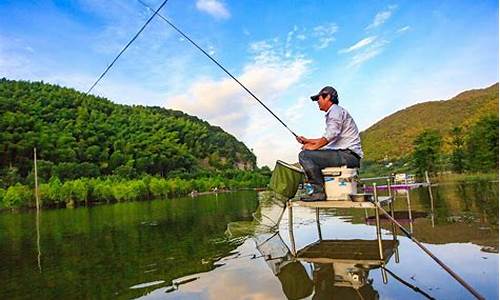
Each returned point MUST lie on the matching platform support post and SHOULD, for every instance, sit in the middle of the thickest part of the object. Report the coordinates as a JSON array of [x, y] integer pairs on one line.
[[379, 232], [318, 224], [408, 203], [393, 227]]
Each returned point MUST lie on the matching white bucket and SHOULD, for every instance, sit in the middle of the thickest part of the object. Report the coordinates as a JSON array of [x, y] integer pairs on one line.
[[340, 182]]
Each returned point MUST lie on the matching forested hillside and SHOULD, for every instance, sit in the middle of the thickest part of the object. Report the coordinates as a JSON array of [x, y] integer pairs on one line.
[[86, 136], [393, 136]]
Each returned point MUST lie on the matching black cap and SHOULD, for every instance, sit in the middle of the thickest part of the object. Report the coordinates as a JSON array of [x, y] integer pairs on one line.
[[326, 90]]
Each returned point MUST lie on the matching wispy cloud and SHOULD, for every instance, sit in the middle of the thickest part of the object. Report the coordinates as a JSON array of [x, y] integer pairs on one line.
[[381, 17], [403, 29], [215, 8], [296, 111], [325, 34], [367, 53], [360, 44]]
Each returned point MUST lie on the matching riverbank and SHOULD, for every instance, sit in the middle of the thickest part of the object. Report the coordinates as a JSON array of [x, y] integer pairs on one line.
[[455, 177], [87, 191]]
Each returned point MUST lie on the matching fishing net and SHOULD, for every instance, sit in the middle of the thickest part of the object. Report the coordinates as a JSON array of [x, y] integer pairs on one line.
[[284, 184], [264, 228]]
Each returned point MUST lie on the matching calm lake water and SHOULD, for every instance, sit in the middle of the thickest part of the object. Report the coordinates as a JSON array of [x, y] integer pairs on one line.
[[177, 249]]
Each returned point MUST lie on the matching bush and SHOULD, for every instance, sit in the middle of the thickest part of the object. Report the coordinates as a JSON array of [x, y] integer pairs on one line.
[[102, 190], [18, 195], [74, 191], [159, 187], [2, 194]]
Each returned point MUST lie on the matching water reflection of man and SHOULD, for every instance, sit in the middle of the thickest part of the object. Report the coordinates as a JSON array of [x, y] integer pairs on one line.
[[340, 144], [326, 286]]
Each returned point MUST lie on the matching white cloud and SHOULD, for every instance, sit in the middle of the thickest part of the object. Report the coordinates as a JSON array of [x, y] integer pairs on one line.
[[269, 75], [16, 58], [275, 145], [214, 8], [222, 102], [211, 50], [289, 40], [381, 17], [403, 29], [296, 111], [362, 43], [367, 53], [325, 34]]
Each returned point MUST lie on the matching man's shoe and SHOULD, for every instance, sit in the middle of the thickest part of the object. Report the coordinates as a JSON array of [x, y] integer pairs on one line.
[[314, 197]]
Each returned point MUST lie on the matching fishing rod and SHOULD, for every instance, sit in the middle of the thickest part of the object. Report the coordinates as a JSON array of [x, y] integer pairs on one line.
[[442, 264], [126, 46], [411, 286], [217, 63]]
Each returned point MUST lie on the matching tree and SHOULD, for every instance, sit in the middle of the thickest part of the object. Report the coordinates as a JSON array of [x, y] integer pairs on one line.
[[18, 195], [458, 151], [9, 176], [482, 145], [426, 151]]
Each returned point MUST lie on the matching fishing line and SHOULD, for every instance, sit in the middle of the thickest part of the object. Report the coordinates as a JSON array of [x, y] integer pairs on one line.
[[126, 46], [218, 64]]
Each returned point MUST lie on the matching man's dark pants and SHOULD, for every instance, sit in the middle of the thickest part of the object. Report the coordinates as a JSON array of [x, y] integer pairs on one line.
[[313, 161]]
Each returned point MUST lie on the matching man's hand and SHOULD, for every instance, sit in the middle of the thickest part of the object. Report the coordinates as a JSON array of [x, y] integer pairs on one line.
[[301, 139], [314, 144], [309, 146]]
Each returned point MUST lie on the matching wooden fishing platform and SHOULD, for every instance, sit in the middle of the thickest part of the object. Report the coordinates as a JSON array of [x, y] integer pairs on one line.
[[381, 247], [365, 252]]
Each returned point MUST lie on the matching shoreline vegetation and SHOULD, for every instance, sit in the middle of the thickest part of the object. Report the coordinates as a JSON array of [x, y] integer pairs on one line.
[[91, 150], [91, 191], [85, 191]]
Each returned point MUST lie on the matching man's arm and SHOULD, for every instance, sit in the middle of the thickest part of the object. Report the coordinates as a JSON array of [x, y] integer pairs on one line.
[[312, 144], [315, 144], [304, 140]]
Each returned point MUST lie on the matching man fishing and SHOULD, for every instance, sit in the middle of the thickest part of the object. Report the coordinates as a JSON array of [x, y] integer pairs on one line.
[[340, 145]]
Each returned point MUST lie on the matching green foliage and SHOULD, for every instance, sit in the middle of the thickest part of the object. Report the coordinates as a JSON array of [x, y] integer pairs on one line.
[[458, 152], [393, 136], [116, 189], [74, 191], [2, 194], [482, 145], [18, 195], [427, 148], [77, 135], [90, 149], [102, 190], [9, 176]]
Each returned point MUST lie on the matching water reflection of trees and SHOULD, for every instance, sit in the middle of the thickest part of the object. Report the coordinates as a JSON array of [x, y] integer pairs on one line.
[[463, 212], [99, 253]]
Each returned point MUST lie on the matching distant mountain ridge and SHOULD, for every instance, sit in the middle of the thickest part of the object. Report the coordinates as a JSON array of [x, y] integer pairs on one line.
[[393, 136], [80, 135]]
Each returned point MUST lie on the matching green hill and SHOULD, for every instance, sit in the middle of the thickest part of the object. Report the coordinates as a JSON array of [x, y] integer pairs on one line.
[[87, 136], [393, 136]]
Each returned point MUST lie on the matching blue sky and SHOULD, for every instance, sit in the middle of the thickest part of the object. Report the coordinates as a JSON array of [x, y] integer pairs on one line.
[[381, 56]]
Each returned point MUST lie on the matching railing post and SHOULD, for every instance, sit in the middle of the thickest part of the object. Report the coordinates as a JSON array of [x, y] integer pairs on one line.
[[379, 232]]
